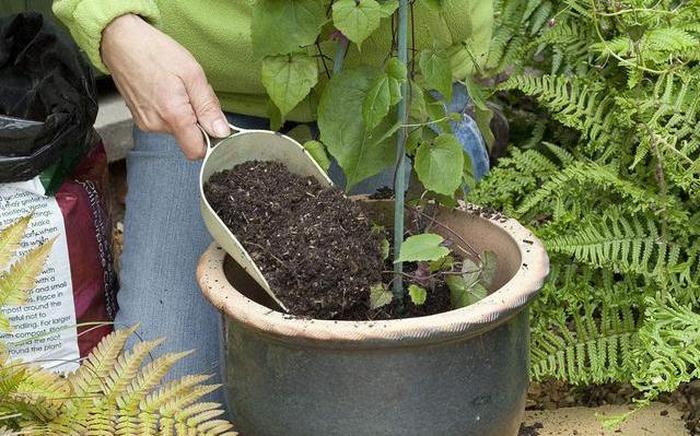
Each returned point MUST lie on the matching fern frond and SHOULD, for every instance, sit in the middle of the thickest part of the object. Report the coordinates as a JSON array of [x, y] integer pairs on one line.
[[127, 367], [90, 378], [670, 348], [10, 237], [597, 349], [600, 177], [16, 283], [621, 243], [148, 378]]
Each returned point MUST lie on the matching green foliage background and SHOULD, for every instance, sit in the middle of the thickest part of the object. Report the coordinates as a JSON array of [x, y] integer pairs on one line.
[[604, 166]]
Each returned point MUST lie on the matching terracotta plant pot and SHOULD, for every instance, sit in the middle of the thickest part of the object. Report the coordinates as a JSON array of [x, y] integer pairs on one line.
[[462, 372]]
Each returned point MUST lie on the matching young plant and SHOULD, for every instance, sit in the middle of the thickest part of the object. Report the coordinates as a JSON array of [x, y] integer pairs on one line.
[[391, 113]]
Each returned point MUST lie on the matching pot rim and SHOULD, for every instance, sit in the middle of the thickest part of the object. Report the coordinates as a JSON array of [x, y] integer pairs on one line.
[[472, 320]]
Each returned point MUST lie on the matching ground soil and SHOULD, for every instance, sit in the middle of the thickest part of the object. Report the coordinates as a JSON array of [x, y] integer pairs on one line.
[[314, 246]]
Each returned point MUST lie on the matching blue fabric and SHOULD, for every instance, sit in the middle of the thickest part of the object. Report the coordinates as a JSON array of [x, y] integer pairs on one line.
[[164, 235]]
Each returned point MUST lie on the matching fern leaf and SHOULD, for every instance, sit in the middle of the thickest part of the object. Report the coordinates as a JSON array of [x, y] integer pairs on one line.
[[620, 243], [592, 352], [127, 367], [16, 283], [172, 389], [10, 237], [148, 378], [90, 378], [670, 351]]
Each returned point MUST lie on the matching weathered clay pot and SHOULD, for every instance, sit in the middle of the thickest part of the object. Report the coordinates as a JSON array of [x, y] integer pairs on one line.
[[463, 372]]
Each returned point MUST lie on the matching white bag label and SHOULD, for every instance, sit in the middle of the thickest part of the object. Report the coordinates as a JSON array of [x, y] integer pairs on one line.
[[44, 329]]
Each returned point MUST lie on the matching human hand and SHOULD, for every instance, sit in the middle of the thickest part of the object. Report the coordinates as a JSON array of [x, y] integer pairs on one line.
[[163, 85]]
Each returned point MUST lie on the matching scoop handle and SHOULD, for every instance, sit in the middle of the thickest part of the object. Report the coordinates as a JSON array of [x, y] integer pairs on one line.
[[208, 139]]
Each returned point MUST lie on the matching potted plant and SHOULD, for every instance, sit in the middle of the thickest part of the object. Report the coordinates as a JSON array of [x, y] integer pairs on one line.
[[362, 361]]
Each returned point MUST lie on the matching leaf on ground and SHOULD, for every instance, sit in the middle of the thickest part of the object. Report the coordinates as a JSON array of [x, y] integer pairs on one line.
[[318, 152], [379, 295], [439, 164], [423, 247], [288, 79], [418, 294]]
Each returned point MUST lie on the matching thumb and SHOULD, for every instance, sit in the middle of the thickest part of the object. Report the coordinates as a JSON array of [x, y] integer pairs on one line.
[[206, 105]]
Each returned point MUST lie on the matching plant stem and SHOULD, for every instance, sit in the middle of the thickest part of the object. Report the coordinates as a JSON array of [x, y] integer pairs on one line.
[[340, 51], [399, 175]]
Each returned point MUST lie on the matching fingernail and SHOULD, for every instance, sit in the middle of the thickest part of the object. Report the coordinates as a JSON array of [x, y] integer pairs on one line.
[[221, 128]]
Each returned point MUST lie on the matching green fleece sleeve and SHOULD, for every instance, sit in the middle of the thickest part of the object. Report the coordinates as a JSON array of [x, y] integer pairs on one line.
[[86, 19]]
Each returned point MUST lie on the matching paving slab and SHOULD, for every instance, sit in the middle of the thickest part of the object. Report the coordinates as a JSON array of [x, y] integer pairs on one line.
[[114, 125], [657, 419]]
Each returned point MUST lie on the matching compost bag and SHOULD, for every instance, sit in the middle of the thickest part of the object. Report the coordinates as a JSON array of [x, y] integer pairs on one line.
[[53, 167], [47, 99]]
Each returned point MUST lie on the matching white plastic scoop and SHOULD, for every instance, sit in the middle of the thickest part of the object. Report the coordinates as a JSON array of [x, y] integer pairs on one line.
[[242, 146]]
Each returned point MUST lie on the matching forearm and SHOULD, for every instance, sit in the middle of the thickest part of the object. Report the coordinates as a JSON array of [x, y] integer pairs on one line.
[[87, 19]]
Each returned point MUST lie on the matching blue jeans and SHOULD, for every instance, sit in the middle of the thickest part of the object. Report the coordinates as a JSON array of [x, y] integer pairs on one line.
[[164, 235]]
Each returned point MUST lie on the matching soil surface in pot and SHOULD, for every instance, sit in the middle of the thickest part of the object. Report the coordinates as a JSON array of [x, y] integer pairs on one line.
[[315, 247]]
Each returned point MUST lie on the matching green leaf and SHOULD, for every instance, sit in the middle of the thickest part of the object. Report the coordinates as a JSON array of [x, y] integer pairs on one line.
[[360, 152], [488, 268], [444, 264], [384, 246], [468, 173], [275, 116], [414, 140], [417, 109], [483, 122], [437, 111], [439, 164], [424, 247], [357, 19], [396, 69], [375, 106], [288, 79], [379, 295], [418, 294], [397, 73], [462, 293], [435, 5], [437, 71], [459, 297], [477, 292], [318, 152], [470, 272], [282, 27], [389, 7]]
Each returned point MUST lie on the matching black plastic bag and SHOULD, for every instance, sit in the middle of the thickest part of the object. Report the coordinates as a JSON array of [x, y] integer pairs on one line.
[[47, 100]]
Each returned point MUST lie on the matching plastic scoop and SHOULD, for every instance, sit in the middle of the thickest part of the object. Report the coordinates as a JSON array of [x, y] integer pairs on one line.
[[242, 146]]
